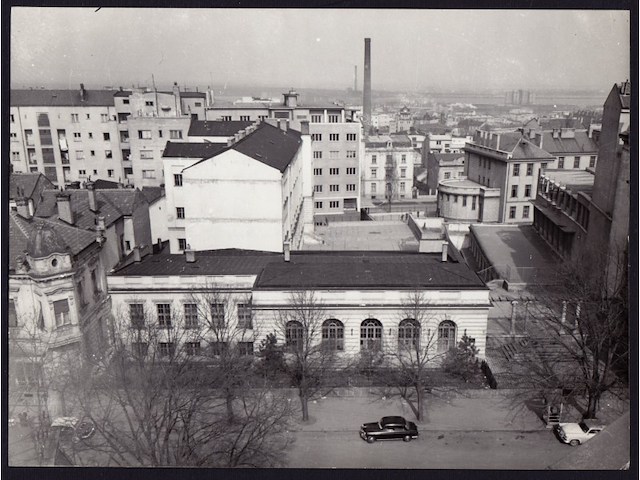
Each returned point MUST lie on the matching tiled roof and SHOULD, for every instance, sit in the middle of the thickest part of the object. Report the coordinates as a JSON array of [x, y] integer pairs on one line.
[[366, 269], [313, 269], [22, 233], [212, 262], [216, 128], [512, 143], [26, 182], [192, 149], [99, 183], [61, 98], [401, 140], [449, 157], [193, 94], [152, 193], [580, 144], [111, 203], [267, 144], [558, 123]]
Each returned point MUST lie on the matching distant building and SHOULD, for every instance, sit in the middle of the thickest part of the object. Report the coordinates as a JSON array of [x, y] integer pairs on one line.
[[573, 149], [444, 143], [443, 166], [388, 167], [403, 121], [519, 97]]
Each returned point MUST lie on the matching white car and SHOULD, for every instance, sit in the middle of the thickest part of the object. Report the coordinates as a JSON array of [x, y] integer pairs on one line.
[[577, 433]]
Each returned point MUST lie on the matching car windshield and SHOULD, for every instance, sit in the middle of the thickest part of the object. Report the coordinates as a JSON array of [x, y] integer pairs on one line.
[[584, 427]]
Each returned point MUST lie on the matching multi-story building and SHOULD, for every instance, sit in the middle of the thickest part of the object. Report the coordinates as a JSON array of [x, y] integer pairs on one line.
[[573, 149], [336, 148], [387, 171], [403, 121], [509, 162], [77, 135], [443, 166], [443, 143], [364, 308], [254, 192]]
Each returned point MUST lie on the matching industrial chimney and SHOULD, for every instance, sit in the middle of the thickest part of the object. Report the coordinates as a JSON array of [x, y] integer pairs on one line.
[[366, 103]]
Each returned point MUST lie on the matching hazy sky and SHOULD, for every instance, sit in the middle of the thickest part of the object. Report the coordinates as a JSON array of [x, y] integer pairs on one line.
[[411, 49]]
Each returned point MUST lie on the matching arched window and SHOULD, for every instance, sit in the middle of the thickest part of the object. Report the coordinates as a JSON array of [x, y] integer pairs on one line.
[[294, 334], [446, 336], [333, 335], [409, 333], [371, 335]]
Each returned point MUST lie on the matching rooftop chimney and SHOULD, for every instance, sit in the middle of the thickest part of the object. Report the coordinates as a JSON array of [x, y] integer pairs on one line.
[[83, 93], [65, 213], [367, 86], [286, 247], [136, 254], [189, 255], [24, 209], [93, 205], [445, 250]]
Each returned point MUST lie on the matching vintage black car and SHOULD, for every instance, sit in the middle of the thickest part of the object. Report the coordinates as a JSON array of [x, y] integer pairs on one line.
[[389, 428]]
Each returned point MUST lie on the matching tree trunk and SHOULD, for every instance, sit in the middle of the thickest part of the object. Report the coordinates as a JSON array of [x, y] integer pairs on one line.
[[419, 402], [592, 407], [304, 403]]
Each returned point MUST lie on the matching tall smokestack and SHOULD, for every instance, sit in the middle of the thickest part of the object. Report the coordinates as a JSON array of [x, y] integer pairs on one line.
[[367, 86]]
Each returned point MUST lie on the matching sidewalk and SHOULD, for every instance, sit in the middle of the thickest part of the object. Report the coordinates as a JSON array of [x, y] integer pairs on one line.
[[470, 410]]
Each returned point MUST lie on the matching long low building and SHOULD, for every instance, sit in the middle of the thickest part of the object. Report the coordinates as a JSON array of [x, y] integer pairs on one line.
[[365, 297]]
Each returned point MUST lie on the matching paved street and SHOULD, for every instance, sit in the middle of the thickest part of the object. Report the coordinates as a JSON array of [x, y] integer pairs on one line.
[[433, 450]]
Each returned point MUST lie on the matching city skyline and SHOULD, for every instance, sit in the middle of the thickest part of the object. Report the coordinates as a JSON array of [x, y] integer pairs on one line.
[[411, 49]]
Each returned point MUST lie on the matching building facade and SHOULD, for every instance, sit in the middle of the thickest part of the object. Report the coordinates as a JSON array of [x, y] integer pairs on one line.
[[443, 166]]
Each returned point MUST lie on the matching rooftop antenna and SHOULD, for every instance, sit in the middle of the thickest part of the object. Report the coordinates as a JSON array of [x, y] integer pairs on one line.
[[155, 91]]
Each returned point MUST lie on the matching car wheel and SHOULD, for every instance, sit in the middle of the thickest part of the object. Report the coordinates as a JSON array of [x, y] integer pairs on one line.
[[574, 443], [407, 438], [370, 439]]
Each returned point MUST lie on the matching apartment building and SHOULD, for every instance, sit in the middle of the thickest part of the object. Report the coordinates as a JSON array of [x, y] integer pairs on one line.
[[253, 192], [443, 166], [444, 143], [362, 304], [335, 142], [77, 135], [573, 149], [387, 171]]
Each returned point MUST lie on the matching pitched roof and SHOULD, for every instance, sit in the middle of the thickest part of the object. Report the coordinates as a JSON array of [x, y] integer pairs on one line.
[[23, 232], [314, 269], [99, 183], [448, 158], [557, 123], [267, 144], [581, 143], [26, 183], [216, 128], [152, 193], [61, 98], [511, 143], [112, 204], [192, 149]]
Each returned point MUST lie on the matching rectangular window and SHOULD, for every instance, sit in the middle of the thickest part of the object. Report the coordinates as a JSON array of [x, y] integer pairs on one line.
[[334, 118], [217, 315], [166, 349], [576, 162], [182, 244], [128, 171], [192, 348], [82, 172], [88, 116], [79, 155], [316, 118], [47, 155], [447, 175], [108, 154], [334, 204], [374, 159], [316, 137], [136, 315], [74, 118], [402, 186], [464, 200], [334, 171], [180, 212], [13, 316], [77, 136], [403, 173], [160, 133], [106, 136], [512, 212], [149, 103], [61, 312], [144, 134], [351, 170], [318, 204], [190, 315], [334, 137], [146, 154], [389, 160], [226, 118], [592, 161], [245, 348], [45, 137], [374, 173], [175, 134], [527, 190], [219, 348], [124, 136], [177, 179], [334, 188], [317, 188], [110, 173], [15, 156], [514, 191], [317, 154], [560, 162], [374, 187], [28, 136], [244, 316], [243, 118], [351, 187], [164, 315], [317, 171], [104, 117], [351, 154], [544, 165], [148, 174], [525, 211], [473, 202], [403, 159], [122, 117], [13, 136], [13, 119], [351, 137], [529, 169], [127, 245], [516, 169]]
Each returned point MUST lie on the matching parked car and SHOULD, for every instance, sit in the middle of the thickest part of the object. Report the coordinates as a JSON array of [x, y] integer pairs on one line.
[[389, 428], [74, 428], [577, 433]]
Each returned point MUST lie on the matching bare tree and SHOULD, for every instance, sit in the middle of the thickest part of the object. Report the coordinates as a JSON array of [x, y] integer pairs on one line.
[[391, 180], [308, 359]]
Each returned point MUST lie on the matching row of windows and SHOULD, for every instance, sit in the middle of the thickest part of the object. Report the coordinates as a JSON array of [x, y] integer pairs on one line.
[[389, 159], [514, 191], [374, 173], [402, 187], [335, 171], [334, 137], [192, 315], [513, 211], [167, 349], [146, 134], [464, 199], [516, 169], [576, 162], [350, 187], [409, 333], [334, 154], [332, 204]]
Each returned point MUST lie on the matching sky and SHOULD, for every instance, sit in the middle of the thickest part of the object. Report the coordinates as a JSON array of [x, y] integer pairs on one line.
[[413, 50]]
